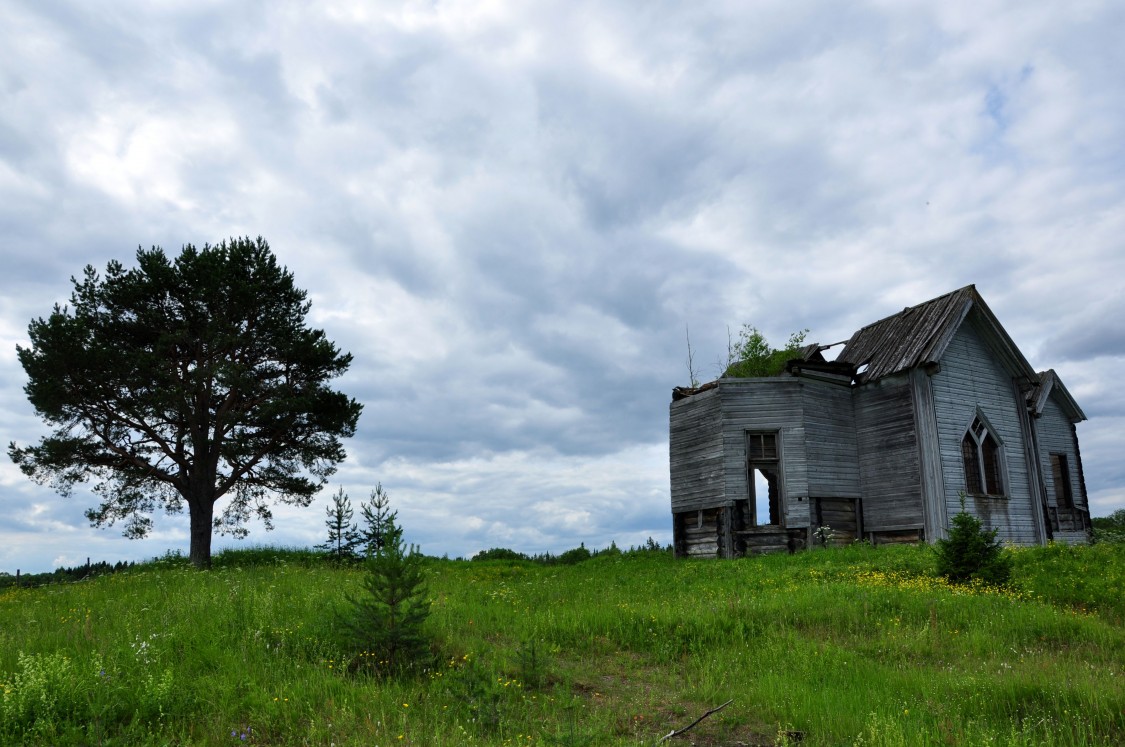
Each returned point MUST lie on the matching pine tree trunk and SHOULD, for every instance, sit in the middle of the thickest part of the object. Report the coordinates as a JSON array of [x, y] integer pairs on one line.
[[202, 515]]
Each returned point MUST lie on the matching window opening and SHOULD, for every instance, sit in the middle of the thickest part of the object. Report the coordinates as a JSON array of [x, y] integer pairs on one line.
[[764, 472], [983, 461], [1060, 471], [972, 465]]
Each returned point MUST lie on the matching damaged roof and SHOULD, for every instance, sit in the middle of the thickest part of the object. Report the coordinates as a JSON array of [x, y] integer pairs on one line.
[[919, 335]]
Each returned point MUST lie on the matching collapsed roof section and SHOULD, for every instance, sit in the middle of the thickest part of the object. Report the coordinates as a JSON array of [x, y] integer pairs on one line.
[[918, 336]]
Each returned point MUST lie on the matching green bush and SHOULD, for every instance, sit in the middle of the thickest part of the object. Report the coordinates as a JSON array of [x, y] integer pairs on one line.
[[48, 691], [972, 552], [1110, 528], [752, 356], [384, 628], [499, 553], [574, 555]]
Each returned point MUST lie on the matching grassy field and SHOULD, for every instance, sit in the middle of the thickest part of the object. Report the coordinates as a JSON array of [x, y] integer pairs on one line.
[[850, 646]]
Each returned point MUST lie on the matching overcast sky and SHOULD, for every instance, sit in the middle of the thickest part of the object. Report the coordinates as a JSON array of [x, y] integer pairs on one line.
[[508, 212]]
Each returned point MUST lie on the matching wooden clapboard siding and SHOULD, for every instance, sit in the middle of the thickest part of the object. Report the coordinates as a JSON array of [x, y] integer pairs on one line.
[[695, 446], [794, 464], [1056, 435], [970, 378], [1036, 490], [768, 404], [830, 440], [932, 485], [888, 455]]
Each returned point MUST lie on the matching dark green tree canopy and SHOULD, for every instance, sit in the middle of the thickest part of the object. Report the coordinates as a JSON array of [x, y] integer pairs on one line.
[[183, 382]]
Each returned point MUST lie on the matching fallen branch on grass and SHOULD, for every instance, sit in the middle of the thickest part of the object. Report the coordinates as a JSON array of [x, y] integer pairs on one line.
[[677, 732]]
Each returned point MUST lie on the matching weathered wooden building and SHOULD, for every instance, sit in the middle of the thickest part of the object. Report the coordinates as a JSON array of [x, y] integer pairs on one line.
[[880, 443]]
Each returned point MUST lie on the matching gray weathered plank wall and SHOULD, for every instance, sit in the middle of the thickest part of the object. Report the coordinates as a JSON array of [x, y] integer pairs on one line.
[[842, 515], [1056, 435], [970, 377], [934, 518], [830, 440], [888, 455], [695, 445], [768, 404]]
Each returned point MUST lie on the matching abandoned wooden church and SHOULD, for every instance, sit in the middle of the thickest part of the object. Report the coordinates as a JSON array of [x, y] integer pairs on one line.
[[918, 409]]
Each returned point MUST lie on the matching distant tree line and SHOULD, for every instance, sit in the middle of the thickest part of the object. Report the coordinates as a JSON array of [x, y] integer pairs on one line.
[[573, 556], [364, 542], [63, 575]]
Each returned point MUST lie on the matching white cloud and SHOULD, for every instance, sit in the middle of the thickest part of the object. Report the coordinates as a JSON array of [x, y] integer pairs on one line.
[[508, 213]]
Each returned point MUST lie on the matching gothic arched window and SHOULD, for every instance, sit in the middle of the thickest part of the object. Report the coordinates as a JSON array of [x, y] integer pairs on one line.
[[980, 451]]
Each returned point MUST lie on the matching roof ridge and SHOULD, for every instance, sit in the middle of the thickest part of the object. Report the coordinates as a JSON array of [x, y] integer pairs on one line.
[[915, 336], [970, 286]]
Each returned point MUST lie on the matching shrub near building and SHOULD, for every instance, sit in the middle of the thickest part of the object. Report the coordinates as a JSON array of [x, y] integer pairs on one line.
[[971, 552]]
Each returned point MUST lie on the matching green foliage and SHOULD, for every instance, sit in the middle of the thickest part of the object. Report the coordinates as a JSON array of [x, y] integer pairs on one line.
[[752, 356], [499, 553], [343, 535], [568, 557], [50, 693], [1110, 528], [861, 643], [64, 574], [479, 696], [532, 665], [377, 516], [46, 690], [1084, 578], [255, 556], [971, 552], [384, 627], [183, 382], [651, 546], [574, 555]]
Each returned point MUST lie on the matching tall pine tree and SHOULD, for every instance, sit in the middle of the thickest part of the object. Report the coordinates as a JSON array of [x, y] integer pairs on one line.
[[188, 382]]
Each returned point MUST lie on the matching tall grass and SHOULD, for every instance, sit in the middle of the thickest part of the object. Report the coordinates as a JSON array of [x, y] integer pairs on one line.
[[841, 646]]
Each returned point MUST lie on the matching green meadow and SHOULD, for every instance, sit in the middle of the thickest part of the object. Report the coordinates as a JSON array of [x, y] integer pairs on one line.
[[844, 646]]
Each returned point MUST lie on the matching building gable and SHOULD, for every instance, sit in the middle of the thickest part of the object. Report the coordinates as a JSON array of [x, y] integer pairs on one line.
[[1051, 387], [973, 386], [918, 336]]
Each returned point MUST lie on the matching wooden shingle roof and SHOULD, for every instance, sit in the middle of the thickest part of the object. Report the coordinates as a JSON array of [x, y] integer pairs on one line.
[[919, 335]]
